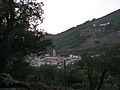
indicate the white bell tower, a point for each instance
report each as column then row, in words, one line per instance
column 54, row 52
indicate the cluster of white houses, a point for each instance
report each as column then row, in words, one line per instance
column 102, row 24
column 54, row 60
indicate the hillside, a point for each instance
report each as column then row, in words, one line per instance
column 90, row 34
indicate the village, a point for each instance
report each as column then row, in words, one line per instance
column 54, row 59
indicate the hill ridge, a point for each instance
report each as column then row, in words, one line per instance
column 89, row 34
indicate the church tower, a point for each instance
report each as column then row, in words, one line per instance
column 54, row 52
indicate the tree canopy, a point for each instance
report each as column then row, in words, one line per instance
column 19, row 33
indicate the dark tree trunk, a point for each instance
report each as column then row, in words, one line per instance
column 91, row 86
column 6, row 40
column 102, row 79
column 2, row 59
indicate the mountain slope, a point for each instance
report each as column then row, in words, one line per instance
column 89, row 34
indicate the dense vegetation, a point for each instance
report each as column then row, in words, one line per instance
column 95, row 71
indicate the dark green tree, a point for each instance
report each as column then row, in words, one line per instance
column 99, row 65
column 19, row 34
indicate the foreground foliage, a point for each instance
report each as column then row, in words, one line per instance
column 19, row 33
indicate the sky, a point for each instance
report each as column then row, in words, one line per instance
column 60, row 15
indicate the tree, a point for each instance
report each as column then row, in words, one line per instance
column 18, row 31
column 19, row 69
column 47, row 74
column 99, row 65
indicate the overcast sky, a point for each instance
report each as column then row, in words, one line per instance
column 61, row 15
